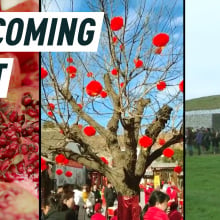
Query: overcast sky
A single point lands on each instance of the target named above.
(202, 48)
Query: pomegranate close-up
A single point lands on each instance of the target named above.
(19, 130)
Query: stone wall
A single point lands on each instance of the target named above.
(205, 118)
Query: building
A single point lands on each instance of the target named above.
(203, 118)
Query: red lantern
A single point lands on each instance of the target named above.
(43, 164)
(80, 106)
(68, 174)
(138, 63)
(160, 40)
(59, 172)
(104, 160)
(103, 94)
(69, 59)
(94, 88)
(181, 86)
(121, 84)
(161, 85)
(114, 39)
(168, 152)
(122, 47)
(50, 114)
(71, 69)
(145, 141)
(50, 106)
(158, 50)
(60, 158)
(72, 75)
(61, 132)
(116, 23)
(65, 161)
(161, 141)
(89, 74)
(177, 169)
(114, 72)
(44, 73)
(89, 131)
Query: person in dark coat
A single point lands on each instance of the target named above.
(110, 196)
(156, 207)
(49, 208)
(174, 213)
(66, 206)
(97, 194)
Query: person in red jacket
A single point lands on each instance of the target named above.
(147, 192)
(157, 204)
(174, 214)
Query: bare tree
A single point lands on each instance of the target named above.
(134, 106)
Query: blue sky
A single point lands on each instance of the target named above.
(202, 48)
(176, 22)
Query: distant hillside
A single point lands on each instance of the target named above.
(203, 103)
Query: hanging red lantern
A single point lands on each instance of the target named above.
(50, 114)
(89, 131)
(161, 141)
(121, 84)
(114, 39)
(94, 88)
(122, 47)
(104, 160)
(71, 69)
(72, 75)
(160, 40)
(69, 59)
(43, 164)
(44, 73)
(181, 86)
(68, 174)
(89, 74)
(114, 72)
(59, 172)
(103, 94)
(138, 63)
(177, 169)
(145, 141)
(116, 23)
(50, 106)
(65, 161)
(60, 158)
(158, 50)
(168, 152)
(161, 85)
(80, 106)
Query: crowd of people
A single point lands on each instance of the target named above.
(71, 203)
(161, 203)
(92, 203)
(203, 140)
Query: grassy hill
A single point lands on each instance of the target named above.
(203, 103)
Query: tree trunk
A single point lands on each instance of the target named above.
(128, 198)
(128, 207)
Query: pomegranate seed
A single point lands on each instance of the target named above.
(12, 116)
(23, 149)
(26, 100)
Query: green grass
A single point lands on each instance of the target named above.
(203, 103)
(202, 187)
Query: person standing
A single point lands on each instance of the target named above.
(86, 203)
(96, 193)
(110, 196)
